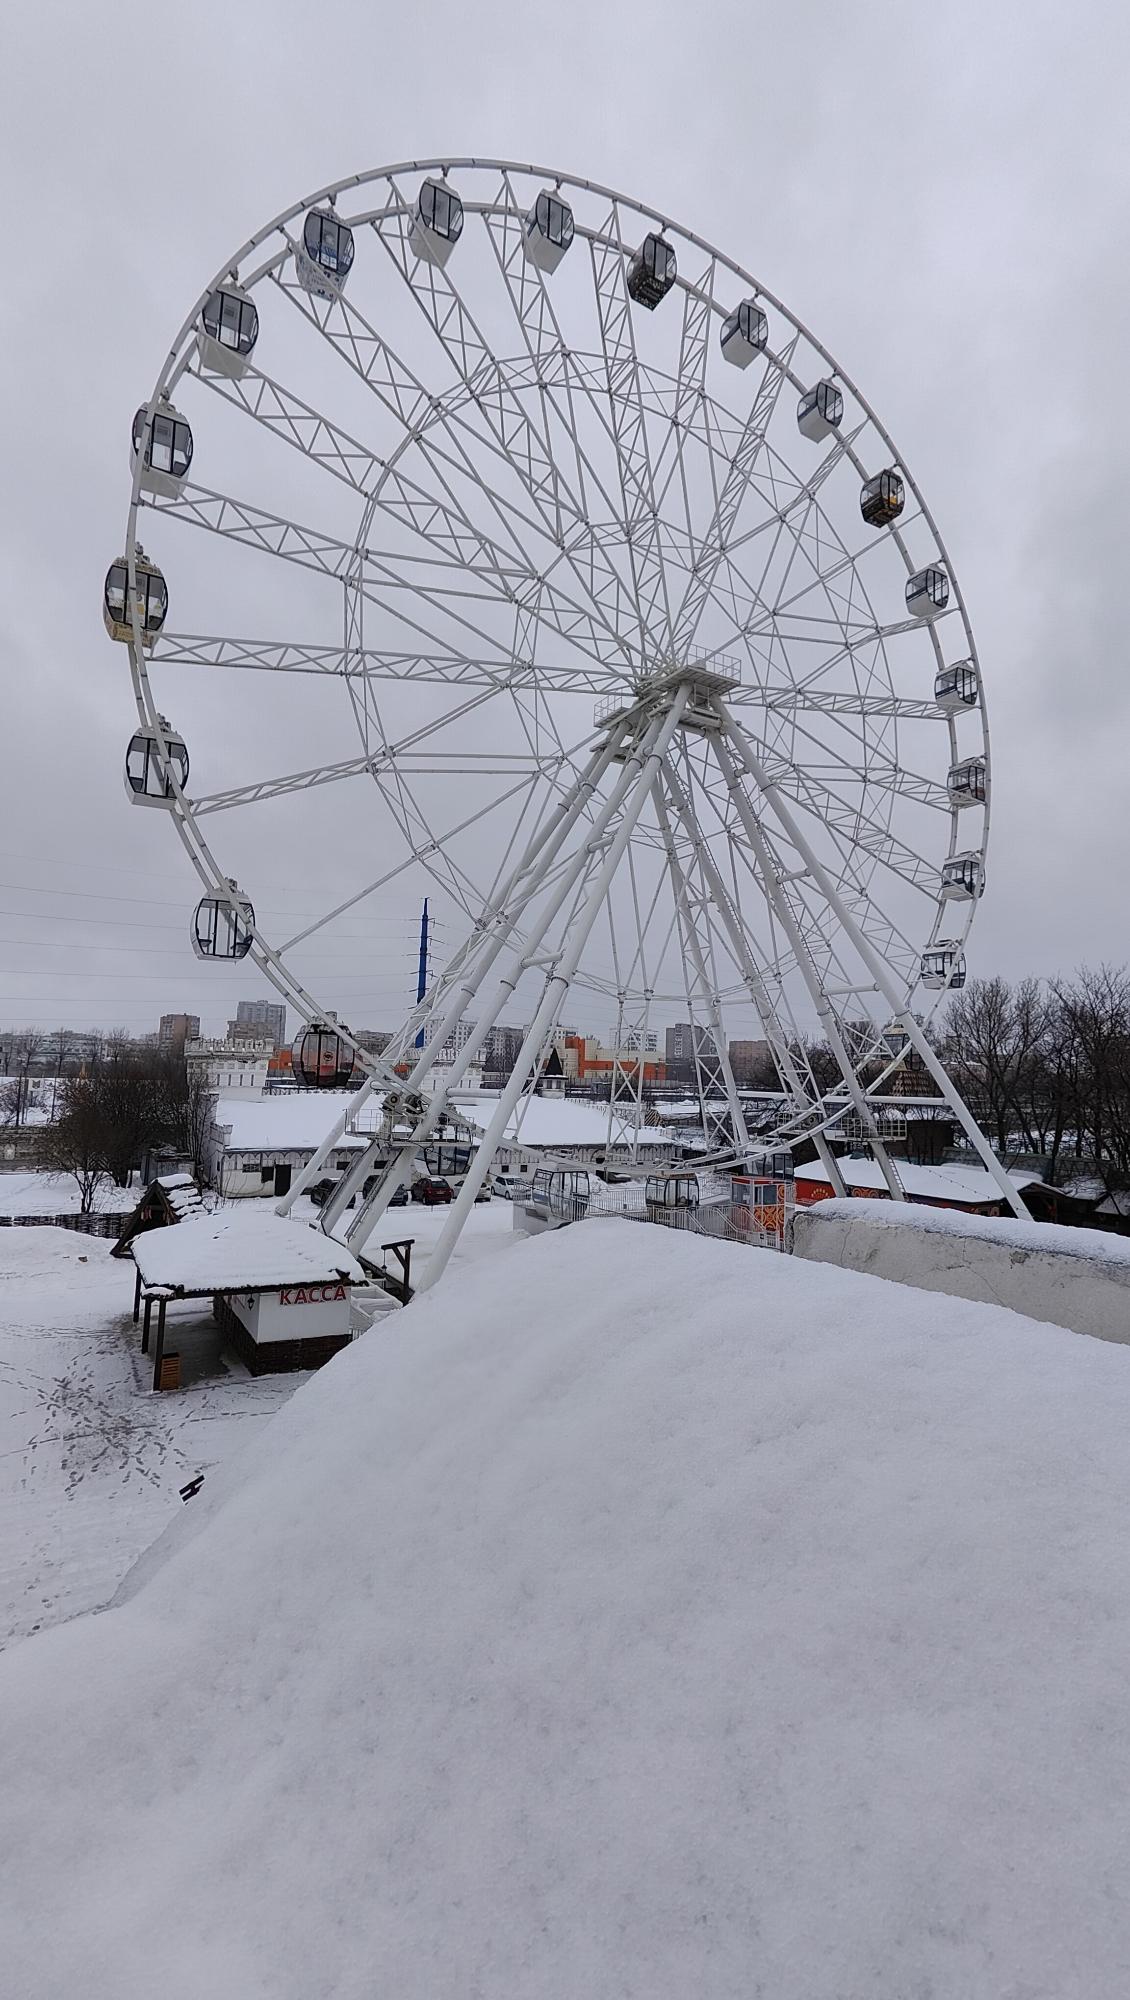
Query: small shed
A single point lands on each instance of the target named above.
(280, 1290)
(168, 1199)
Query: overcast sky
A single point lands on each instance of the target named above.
(941, 192)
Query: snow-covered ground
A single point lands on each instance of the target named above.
(91, 1462)
(633, 1615)
(58, 1194)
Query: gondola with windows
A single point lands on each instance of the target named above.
(666, 1195)
(148, 776)
(943, 965)
(652, 271)
(164, 447)
(151, 595)
(744, 334)
(228, 331)
(547, 231)
(223, 926)
(437, 224)
(968, 782)
(322, 1059)
(324, 257)
(882, 499)
(963, 877)
(927, 592)
(820, 411)
(957, 687)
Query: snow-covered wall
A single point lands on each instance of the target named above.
(1078, 1278)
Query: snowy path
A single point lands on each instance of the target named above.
(91, 1463)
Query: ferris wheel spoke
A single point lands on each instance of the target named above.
(404, 397)
(715, 542)
(330, 774)
(522, 444)
(630, 430)
(837, 701)
(409, 861)
(434, 519)
(688, 419)
(383, 584)
(555, 372)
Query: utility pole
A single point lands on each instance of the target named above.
(422, 974)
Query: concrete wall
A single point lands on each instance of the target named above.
(1077, 1278)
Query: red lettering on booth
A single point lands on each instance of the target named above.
(312, 1295)
(284, 1299)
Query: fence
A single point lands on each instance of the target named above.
(715, 1212)
(86, 1225)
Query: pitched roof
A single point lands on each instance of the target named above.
(239, 1250)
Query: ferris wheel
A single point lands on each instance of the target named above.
(543, 555)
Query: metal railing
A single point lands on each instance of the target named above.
(716, 1216)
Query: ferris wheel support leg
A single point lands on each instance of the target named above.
(754, 984)
(658, 738)
(825, 1013)
(879, 971)
(370, 1212)
(709, 987)
(480, 953)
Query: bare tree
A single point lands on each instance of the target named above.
(74, 1144)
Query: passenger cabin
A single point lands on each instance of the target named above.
(652, 271)
(322, 1059)
(963, 877)
(547, 231)
(820, 411)
(927, 592)
(437, 223)
(968, 782)
(148, 778)
(744, 334)
(882, 499)
(957, 687)
(668, 1194)
(151, 596)
(324, 258)
(222, 927)
(228, 330)
(942, 965)
(164, 447)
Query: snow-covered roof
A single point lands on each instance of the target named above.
(292, 1120)
(559, 1121)
(240, 1250)
(631, 1614)
(297, 1121)
(946, 1183)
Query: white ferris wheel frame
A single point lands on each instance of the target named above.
(639, 736)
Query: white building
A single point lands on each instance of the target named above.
(228, 1065)
(257, 1144)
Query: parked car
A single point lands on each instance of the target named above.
(431, 1190)
(511, 1187)
(396, 1200)
(321, 1191)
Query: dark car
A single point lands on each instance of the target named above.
(431, 1190)
(396, 1200)
(321, 1191)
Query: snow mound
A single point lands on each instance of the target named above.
(1089, 1245)
(640, 1616)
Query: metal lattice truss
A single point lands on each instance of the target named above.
(631, 683)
